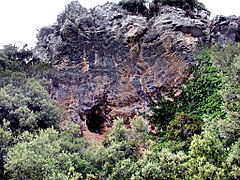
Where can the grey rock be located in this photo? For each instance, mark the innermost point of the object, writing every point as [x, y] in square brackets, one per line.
[225, 30]
[108, 62]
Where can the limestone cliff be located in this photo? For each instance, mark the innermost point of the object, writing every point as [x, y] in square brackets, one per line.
[108, 61]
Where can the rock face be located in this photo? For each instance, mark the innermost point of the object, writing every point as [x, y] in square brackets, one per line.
[108, 61]
[224, 30]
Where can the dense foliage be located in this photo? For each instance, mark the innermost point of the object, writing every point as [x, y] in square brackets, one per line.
[134, 6]
[200, 95]
[228, 61]
[184, 4]
[25, 104]
[204, 120]
[47, 154]
[180, 117]
[24, 101]
[140, 6]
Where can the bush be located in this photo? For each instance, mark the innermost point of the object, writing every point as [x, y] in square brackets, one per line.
[161, 165]
[117, 160]
[163, 112]
[200, 95]
[28, 107]
[207, 155]
[134, 6]
[119, 132]
[6, 141]
[183, 4]
[232, 161]
[184, 127]
[24, 103]
[48, 155]
[228, 61]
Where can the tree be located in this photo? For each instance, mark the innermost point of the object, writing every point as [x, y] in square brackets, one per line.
[135, 6]
[121, 150]
[207, 155]
[28, 107]
[183, 128]
[232, 162]
[124, 170]
[138, 130]
[227, 59]
[39, 157]
[184, 4]
[6, 141]
[161, 165]
[50, 154]
[214, 154]
[200, 96]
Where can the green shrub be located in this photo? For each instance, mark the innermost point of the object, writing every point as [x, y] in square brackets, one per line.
[183, 127]
[232, 162]
[28, 107]
[207, 155]
[6, 141]
[184, 4]
[124, 170]
[161, 165]
[50, 154]
[227, 59]
[135, 6]
[119, 132]
[200, 95]
[163, 112]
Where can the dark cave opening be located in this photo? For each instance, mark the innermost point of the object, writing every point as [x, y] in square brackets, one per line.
[95, 119]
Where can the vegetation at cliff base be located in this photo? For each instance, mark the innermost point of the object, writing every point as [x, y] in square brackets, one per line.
[209, 132]
[25, 103]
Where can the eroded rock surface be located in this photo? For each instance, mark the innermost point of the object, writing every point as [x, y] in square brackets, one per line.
[224, 30]
[108, 61]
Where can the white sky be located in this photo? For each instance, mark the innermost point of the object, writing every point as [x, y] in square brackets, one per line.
[20, 19]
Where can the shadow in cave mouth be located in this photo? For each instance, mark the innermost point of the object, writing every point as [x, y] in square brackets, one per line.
[95, 120]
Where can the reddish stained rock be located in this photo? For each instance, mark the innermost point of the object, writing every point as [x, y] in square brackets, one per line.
[108, 62]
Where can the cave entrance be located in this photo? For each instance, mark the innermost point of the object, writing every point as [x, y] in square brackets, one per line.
[95, 120]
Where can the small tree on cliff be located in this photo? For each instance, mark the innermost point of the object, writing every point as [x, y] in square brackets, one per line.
[183, 4]
[135, 6]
